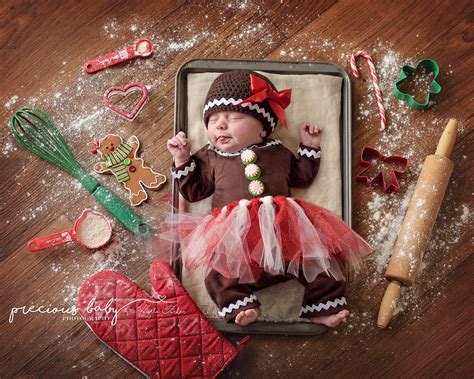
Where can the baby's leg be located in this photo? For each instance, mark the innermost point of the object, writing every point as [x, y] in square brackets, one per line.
[324, 301]
[236, 302]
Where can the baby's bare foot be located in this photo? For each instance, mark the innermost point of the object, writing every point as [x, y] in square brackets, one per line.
[248, 316]
[331, 321]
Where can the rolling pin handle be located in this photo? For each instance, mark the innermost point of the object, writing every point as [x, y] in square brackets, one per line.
[446, 142]
[389, 302]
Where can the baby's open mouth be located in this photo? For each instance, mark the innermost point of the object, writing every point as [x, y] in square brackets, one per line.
[223, 139]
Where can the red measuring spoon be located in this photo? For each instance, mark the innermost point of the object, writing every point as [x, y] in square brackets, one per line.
[91, 230]
[143, 48]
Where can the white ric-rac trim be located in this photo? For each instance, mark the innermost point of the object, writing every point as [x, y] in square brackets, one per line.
[232, 101]
[217, 102]
[325, 306]
[184, 172]
[224, 154]
[309, 153]
[237, 305]
[263, 112]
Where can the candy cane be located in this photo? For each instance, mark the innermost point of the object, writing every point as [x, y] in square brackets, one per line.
[373, 74]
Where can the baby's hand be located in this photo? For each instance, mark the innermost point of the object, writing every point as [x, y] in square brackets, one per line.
[310, 134]
[180, 148]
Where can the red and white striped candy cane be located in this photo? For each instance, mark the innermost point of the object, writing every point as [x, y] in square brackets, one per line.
[373, 74]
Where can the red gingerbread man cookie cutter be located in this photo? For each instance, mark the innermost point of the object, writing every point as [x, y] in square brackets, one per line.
[369, 159]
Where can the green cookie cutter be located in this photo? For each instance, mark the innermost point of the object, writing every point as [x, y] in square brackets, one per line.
[407, 71]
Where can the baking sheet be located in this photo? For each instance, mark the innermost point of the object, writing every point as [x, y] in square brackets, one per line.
[321, 94]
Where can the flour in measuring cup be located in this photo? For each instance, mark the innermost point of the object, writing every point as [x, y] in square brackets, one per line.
[94, 231]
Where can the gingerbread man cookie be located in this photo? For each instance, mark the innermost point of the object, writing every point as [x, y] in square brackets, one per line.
[121, 159]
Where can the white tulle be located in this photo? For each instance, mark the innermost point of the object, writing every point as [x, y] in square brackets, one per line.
[197, 241]
[219, 241]
[231, 252]
[315, 255]
[268, 252]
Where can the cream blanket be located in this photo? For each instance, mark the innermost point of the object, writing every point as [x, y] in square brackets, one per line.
[316, 98]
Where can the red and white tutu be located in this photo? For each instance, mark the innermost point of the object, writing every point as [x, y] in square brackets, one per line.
[276, 234]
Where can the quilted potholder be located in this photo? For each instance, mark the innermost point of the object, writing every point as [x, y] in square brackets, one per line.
[164, 336]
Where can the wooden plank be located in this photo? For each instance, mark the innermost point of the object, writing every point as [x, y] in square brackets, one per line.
[429, 345]
[292, 16]
[163, 32]
[52, 278]
[396, 351]
[429, 338]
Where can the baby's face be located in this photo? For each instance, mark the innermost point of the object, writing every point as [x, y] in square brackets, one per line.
[233, 131]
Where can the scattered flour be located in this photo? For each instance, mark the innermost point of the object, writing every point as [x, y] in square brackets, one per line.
[112, 29]
[189, 43]
[12, 101]
[9, 146]
[80, 117]
[465, 214]
[388, 213]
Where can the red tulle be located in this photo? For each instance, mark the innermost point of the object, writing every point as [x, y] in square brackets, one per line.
[276, 234]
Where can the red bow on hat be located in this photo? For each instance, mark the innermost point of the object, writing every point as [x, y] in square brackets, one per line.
[278, 100]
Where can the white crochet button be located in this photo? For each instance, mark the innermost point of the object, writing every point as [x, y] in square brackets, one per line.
[224, 209]
[267, 200]
[248, 156]
[256, 188]
[244, 202]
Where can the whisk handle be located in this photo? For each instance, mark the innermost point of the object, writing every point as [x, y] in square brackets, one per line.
[113, 204]
[121, 211]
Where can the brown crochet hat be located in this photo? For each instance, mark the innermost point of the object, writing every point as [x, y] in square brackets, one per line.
[250, 93]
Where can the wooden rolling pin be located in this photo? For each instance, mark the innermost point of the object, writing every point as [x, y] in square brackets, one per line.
[418, 223]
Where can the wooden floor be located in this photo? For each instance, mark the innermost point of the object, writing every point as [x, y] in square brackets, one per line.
[43, 46]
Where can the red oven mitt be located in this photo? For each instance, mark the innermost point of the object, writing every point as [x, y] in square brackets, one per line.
[163, 336]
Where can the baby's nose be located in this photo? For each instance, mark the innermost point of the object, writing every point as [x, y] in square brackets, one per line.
[221, 124]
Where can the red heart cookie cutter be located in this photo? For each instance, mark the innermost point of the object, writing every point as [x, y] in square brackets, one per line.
[125, 91]
[366, 160]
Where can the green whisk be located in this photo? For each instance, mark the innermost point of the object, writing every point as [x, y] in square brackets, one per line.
[34, 131]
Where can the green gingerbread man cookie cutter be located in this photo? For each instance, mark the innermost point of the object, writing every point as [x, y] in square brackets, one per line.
[407, 71]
